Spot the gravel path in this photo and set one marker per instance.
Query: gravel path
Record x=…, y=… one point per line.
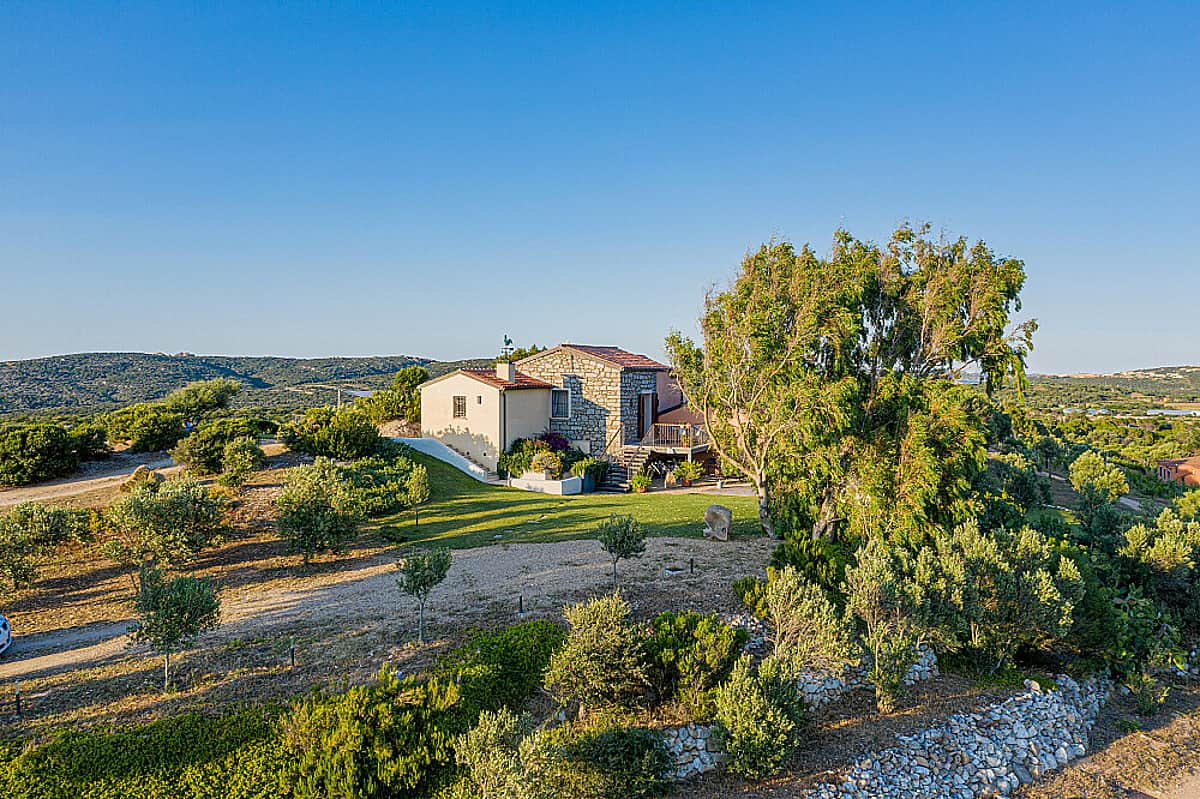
x=102, y=474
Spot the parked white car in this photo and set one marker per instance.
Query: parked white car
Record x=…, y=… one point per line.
x=5, y=634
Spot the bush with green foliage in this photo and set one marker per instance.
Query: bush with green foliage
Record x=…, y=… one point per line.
x=187, y=756
x=760, y=716
x=640, y=481
x=171, y=613
x=1008, y=590
x=600, y=665
x=168, y=523
x=342, y=434
x=396, y=736
x=35, y=452
x=145, y=427
x=91, y=441
x=818, y=560
x=687, y=655
x=318, y=511
x=204, y=450
x=240, y=458
x=809, y=632
x=202, y=396
x=380, y=482
x=417, y=490
x=1164, y=558
x=29, y=529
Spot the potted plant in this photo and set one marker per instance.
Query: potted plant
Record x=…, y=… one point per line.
x=548, y=463
x=640, y=482
x=591, y=471
x=687, y=472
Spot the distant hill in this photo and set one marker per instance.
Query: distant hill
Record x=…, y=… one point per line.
x=1133, y=391
x=98, y=381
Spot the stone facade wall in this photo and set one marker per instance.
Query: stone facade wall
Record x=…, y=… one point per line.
x=990, y=753
x=595, y=394
x=602, y=395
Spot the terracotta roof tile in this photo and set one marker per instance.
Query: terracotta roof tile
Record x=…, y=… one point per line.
x=489, y=376
x=620, y=357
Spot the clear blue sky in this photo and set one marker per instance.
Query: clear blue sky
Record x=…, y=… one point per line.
x=293, y=179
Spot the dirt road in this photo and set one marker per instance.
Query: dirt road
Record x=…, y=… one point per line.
x=102, y=474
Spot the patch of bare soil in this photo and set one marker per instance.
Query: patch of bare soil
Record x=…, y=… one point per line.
x=849, y=728
x=1160, y=759
x=346, y=615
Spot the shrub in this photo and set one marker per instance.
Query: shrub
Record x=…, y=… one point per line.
x=401, y=401
x=687, y=655
x=91, y=442
x=317, y=511
x=759, y=719
x=187, y=756
x=633, y=761
x=344, y=434
x=380, y=482
x=417, y=490
x=492, y=754
x=146, y=427
x=819, y=561
x=49, y=526
x=168, y=522
x=1163, y=560
x=202, y=396
x=808, y=631
x=548, y=462
x=35, y=452
x=396, y=737
x=203, y=451
x=519, y=458
x=622, y=538
x=17, y=555
x=601, y=662
x=240, y=458
x=554, y=441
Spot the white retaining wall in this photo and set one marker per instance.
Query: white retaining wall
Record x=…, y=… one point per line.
x=436, y=449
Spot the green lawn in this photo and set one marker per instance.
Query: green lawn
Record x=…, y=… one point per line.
x=466, y=513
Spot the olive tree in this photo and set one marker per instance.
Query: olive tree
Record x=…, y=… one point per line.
x=318, y=512
x=807, y=629
x=622, y=538
x=167, y=523
x=172, y=613
x=600, y=663
x=417, y=490
x=419, y=575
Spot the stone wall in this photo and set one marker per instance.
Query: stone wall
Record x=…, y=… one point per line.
x=595, y=394
x=694, y=748
x=990, y=753
x=633, y=385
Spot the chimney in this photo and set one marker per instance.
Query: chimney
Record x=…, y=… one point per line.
x=505, y=370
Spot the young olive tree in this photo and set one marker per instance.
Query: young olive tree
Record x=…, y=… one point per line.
x=417, y=491
x=622, y=538
x=317, y=510
x=173, y=612
x=240, y=458
x=419, y=575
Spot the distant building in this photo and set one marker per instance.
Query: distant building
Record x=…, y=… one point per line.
x=1185, y=471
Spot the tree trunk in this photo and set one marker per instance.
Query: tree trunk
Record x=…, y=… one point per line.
x=421, y=624
x=764, y=509
x=166, y=670
x=417, y=517
x=614, y=574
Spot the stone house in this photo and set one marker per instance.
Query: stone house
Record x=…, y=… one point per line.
x=604, y=400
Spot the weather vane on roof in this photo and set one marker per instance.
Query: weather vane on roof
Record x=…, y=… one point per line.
x=507, y=348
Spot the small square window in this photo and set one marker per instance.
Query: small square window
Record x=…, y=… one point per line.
x=460, y=407
x=560, y=403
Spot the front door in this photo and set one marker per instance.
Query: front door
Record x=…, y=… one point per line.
x=647, y=409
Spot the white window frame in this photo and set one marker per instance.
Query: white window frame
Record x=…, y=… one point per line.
x=566, y=391
x=454, y=406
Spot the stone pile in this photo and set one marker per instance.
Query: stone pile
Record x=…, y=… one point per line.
x=756, y=627
x=983, y=754
x=694, y=749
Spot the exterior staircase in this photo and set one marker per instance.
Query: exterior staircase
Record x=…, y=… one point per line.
x=628, y=463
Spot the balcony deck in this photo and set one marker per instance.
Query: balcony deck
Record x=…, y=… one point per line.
x=674, y=439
